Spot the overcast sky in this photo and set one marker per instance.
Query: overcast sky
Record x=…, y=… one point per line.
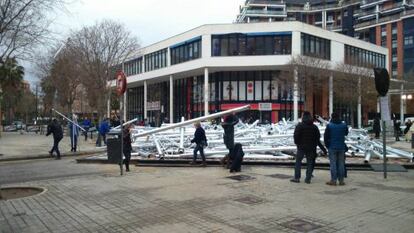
x=149, y=20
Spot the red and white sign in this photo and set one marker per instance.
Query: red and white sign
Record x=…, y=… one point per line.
x=121, y=83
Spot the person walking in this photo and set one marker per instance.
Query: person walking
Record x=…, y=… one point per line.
x=376, y=127
x=228, y=125
x=334, y=138
x=55, y=129
x=103, y=130
x=306, y=137
x=127, y=146
x=407, y=134
x=73, y=132
x=201, y=141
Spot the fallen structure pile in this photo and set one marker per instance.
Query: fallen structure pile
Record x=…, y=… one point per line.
x=260, y=142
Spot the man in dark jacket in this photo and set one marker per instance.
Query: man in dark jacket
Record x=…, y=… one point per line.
x=397, y=129
x=376, y=127
x=55, y=129
x=334, y=138
x=306, y=137
x=127, y=147
x=228, y=125
x=201, y=141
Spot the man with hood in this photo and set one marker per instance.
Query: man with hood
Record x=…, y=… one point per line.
x=306, y=137
x=334, y=138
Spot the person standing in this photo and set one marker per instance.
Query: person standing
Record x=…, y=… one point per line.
x=55, y=129
x=74, y=132
x=334, y=138
x=306, y=137
x=201, y=141
x=397, y=130
x=376, y=127
x=228, y=125
x=86, y=124
x=127, y=146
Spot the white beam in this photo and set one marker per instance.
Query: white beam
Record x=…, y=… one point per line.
x=145, y=100
x=206, y=92
x=295, y=96
x=171, y=99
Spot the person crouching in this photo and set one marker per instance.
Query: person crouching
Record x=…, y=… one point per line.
x=201, y=141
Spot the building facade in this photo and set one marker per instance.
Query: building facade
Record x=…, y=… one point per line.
x=388, y=23
x=217, y=67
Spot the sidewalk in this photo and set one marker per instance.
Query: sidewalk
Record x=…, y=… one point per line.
x=16, y=146
x=211, y=200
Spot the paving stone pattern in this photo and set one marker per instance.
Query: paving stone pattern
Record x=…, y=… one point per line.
x=205, y=200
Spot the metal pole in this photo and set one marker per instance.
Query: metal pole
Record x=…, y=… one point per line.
x=330, y=95
x=171, y=99
x=402, y=105
x=122, y=134
x=384, y=149
x=80, y=127
x=206, y=92
x=359, y=104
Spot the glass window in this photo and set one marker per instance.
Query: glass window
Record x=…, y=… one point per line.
x=315, y=46
x=233, y=45
x=242, y=44
x=224, y=47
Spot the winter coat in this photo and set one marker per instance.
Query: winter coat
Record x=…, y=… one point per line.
x=306, y=136
x=55, y=129
x=127, y=141
x=199, y=136
x=376, y=126
x=86, y=124
x=73, y=129
x=334, y=136
x=228, y=126
x=104, y=127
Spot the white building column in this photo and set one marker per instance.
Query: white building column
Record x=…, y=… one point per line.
x=330, y=94
x=402, y=104
x=359, y=104
x=171, y=99
x=206, y=92
x=145, y=100
x=295, y=96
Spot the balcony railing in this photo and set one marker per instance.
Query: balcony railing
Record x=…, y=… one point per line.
x=326, y=6
x=384, y=19
x=265, y=12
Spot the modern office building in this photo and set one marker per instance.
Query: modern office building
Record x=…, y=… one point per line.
x=217, y=67
x=388, y=23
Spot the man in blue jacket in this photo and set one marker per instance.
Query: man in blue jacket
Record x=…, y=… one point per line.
x=334, y=138
x=103, y=130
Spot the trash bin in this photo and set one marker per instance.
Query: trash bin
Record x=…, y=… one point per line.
x=412, y=141
x=113, y=147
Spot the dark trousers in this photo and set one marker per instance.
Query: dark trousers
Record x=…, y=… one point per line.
x=200, y=148
x=74, y=142
x=310, y=155
x=85, y=133
x=98, y=140
x=56, y=146
x=127, y=154
x=377, y=134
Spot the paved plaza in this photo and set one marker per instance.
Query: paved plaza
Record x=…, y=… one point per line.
x=14, y=146
x=195, y=199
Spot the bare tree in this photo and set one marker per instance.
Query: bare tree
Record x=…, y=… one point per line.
x=100, y=48
x=66, y=76
x=313, y=74
x=23, y=25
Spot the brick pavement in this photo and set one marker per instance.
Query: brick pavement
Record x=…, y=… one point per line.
x=204, y=200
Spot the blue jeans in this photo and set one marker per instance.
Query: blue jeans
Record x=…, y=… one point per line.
x=310, y=155
x=200, y=148
x=337, y=164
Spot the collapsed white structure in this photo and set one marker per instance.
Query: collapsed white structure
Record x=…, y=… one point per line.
x=260, y=142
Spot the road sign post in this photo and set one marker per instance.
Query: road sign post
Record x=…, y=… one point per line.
x=121, y=86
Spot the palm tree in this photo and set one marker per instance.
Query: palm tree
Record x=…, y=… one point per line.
x=11, y=77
